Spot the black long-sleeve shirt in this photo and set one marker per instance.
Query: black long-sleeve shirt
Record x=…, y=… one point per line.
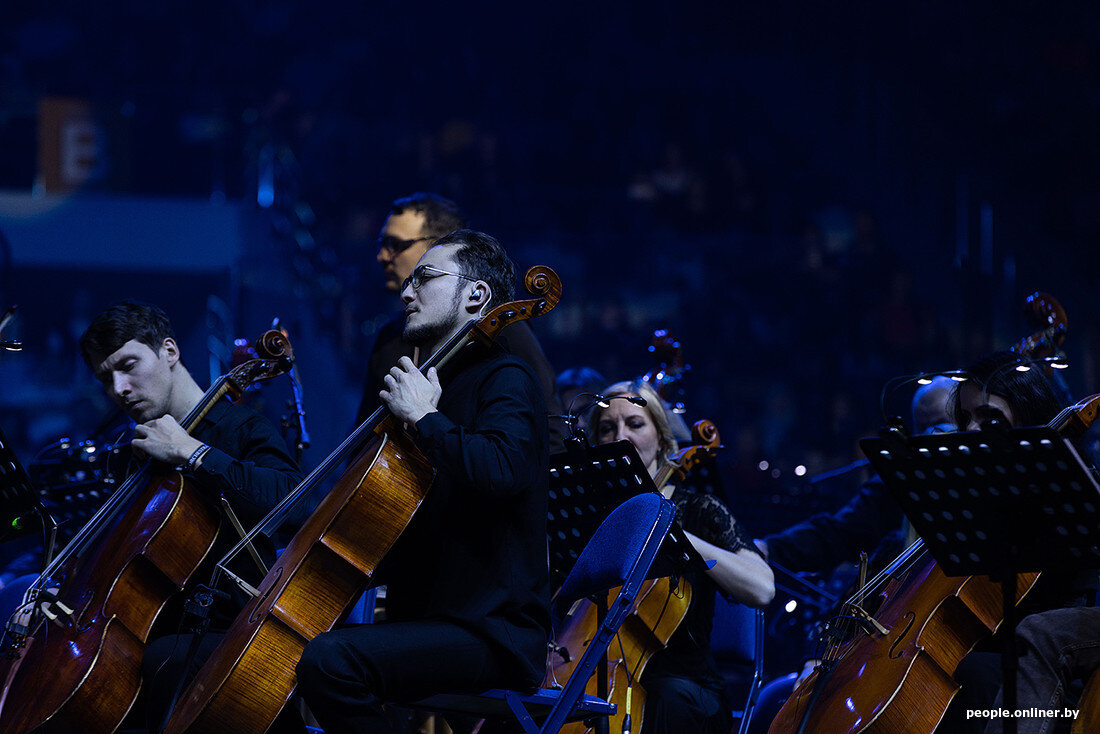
x=249, y=464
x=248, y=461
x=516, y=338
x=826, y=540
x=475, y=552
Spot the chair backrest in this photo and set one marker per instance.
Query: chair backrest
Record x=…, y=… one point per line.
x=733, y=639
x=629, y=537
x=738, y=638
x=619, y=554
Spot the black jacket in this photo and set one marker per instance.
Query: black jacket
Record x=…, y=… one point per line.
x=475, y=552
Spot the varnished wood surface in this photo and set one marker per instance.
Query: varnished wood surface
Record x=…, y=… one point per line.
x=317, y=579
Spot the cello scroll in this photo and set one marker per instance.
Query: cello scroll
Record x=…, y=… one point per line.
x=276, y=357
x=542, y=283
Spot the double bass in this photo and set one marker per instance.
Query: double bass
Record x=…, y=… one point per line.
x=73, y=657
x=661, y=606
x=330, y=561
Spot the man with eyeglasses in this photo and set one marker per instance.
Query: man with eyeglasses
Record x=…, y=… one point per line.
x=468, y=585
x=413, y=224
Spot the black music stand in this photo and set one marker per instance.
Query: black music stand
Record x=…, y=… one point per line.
x=19, y=502
x=995, y=502
x=586, y=484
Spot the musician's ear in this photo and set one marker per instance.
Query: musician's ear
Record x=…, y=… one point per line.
x=171, y=350
x=480, y=295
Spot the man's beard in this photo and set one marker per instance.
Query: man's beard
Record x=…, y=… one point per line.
x=428, y=335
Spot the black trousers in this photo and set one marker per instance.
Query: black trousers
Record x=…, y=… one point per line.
x=346, y=675
x=675, y=705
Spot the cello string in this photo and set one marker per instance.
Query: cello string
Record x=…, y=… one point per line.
x=343, y=452
x=901, y=564
x=108, y=513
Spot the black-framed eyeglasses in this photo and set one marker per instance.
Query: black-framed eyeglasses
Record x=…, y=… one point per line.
x=423, y=273
x=396, y=245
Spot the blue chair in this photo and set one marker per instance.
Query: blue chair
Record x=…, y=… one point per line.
x=738, y=640
x=619, y=553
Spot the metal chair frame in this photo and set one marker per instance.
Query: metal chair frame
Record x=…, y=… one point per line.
x=619, y=554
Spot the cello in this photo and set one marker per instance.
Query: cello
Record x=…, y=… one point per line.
x=87, y=618
x=896, y=674
x=927, y=621
x=330, y=561
x=661, y=606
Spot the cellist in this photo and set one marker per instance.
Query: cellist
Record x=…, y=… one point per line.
x=684, y=692
x=234, y=452
x=995, y=390
x=467, y=604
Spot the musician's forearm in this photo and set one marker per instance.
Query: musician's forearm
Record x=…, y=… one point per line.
x=744, y=575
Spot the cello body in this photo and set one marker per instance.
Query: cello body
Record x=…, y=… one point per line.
x=85, y=676
x=77, y=667
x=318, y=577
x=660, y=608
x=901, y=681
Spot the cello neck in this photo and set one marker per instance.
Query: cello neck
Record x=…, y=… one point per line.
x=120, y=499
x=349, y=447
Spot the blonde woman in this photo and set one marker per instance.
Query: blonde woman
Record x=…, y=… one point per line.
x=683, y=690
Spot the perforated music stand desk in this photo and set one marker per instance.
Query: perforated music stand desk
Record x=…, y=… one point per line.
x=995, y=502
x=586, y=484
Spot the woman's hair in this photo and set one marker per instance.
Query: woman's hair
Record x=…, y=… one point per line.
x=1029, y=393
x=654, y=406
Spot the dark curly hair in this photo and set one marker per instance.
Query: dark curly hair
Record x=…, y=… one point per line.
x=481, y=256
x=122, y=322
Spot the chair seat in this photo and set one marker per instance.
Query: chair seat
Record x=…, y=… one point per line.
x=495, y=704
